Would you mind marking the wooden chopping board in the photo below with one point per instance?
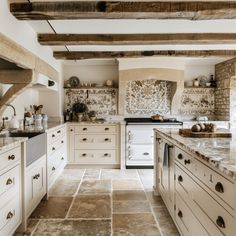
(220, 133)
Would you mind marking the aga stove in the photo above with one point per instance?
(139, 140)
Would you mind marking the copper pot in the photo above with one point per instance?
(157, 117)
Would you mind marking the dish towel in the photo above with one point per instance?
(166, 156)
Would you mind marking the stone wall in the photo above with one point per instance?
(225, 94)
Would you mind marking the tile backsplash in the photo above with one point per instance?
(148, 97)
(197, 101)
(101, 100)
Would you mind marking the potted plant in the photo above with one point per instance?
(92, 115)
(79, 109)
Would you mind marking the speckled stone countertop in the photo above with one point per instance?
(219, 152)
(8, 143)
(110, 122)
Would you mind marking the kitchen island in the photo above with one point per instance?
(196, 178)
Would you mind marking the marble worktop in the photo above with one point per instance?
(219, 152)
(7, 143)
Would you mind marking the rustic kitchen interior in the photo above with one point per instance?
(117, 118)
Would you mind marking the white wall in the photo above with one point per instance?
(22, 33)
(27, 98)
(92, 71)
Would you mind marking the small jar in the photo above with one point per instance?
(196, 83)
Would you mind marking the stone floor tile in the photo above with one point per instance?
(31, 225)
(91, 174)
(72, 174)
(119, 174)
(54, 207)
(154, 200)
(165, 221)
(91, 206)
(64, 187)
(125, 195)
(142, 224)
(130, 184)
(131, 207)
(73, 228)
(95, 187)
(146, 177)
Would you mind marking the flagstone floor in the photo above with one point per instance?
(101, 202)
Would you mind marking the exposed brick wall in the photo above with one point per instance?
(224, 94)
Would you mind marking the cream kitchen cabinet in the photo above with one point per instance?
(10, 191)
(203, 199)
(56, 153)
(94, 144)
(165, 171)
(36, 184)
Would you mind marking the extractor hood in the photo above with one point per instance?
(41, 81)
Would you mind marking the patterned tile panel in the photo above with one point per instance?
(103, 101)
(148, 97)
(198, 101)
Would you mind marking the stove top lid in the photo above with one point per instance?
(150, 120)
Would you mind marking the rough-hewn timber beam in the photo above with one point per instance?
(198, 10)
(136, 39)
(88, 55)
(16, 76)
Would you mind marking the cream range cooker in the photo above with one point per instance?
(139, 140)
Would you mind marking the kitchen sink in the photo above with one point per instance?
(35, 146)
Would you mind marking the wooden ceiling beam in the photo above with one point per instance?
(58, 10)
(136, 39)
(65, 55)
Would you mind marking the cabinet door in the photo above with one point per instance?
(35, 183)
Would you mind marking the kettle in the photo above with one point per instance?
(14, 123)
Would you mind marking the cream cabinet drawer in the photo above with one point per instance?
(9, 181)
(221, 218)
(186, 221)
(96, 129)
(95, 141)
(96, 157)
(10, 216)
(217, 183)
(185, 159)
(53, 135)
(10, 157)
(56, 145)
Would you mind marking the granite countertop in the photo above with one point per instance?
(97, 122)
(8, 142)
(219, 152)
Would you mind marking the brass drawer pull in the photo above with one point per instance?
(11, 157)
(187, 162)
(9, 181)
(85, 129)
(106, 139)
(84, 139)
(59, 131)
(180, 178)
(180, 214)
(106, 129)
(220, 222)
(180, 156)
(84, 155)
(106, 154)
(219, 187)
(145, 153)
(9, 215)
